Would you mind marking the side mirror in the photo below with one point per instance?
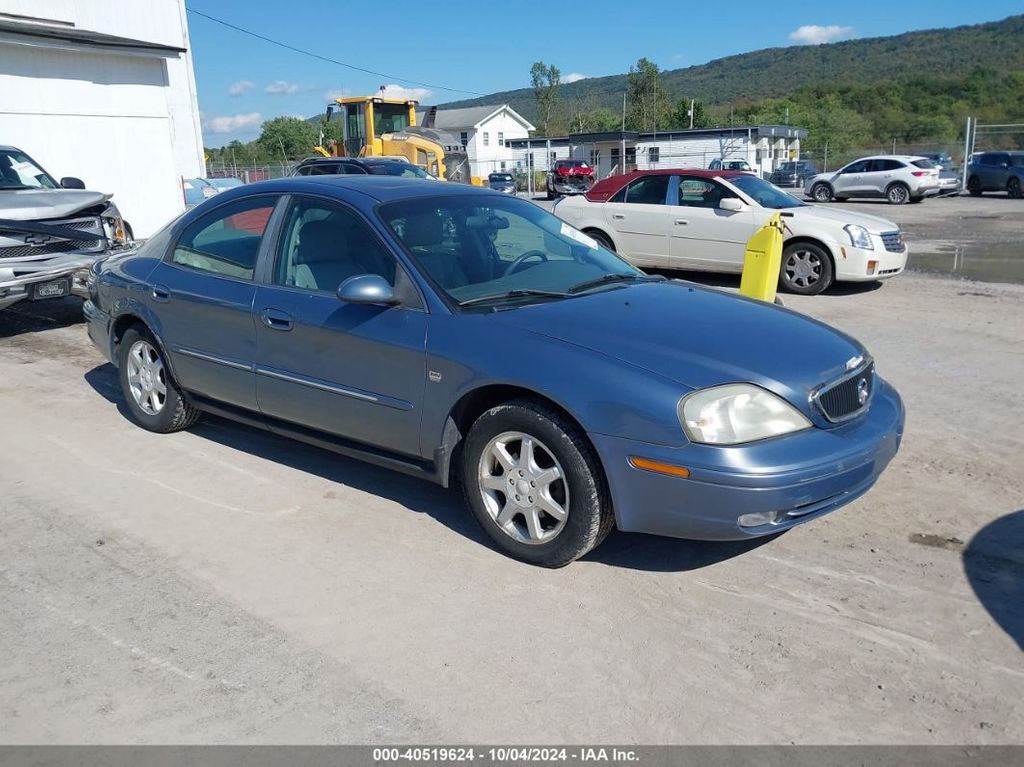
(70, 182)
(732, 204)
(367, 289)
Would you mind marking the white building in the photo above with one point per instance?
(485, 132)
(104, 90)
(762, 146)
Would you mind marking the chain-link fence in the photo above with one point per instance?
(248, 173)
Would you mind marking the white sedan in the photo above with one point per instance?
(702, 219)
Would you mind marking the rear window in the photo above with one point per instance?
(924, 164)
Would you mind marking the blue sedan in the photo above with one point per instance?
(472, 338)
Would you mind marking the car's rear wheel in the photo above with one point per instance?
(535, 484)
(602, 239)
(1013, 188)
(974, 186)
(153, 398)
(806, 269)
(897, 194)
(821, 192)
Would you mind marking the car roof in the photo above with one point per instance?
(380, 188)
(606, 188)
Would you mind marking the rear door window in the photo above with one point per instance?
(226, 241)
(697, 192)
(649, 190)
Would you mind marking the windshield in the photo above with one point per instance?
(924, 164)
(477, 248)
(500, 177)
(390, 118)
(766, 195)
(570, 164)
(18, 171)
(397, 169)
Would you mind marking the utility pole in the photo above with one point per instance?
(284, 155)
(967, 153)
(691, 114)
(894, 145)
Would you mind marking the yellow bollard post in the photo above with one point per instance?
(762, 261)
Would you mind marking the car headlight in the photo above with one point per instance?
(736, 413)
(859, 236)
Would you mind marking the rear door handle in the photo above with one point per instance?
(617, 215)
(160, 293)
(275, 319)
(681, 222)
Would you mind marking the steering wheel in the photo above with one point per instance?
(514, 266)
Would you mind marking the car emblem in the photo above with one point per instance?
(862, 391)
(854, 362)
(37, 239)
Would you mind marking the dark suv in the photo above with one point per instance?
(793, 173)
(996, 172)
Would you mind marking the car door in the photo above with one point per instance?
(997, 171)
(639, 217)
(202, 294)
(850, 180)
(703, 235)
(356, 371)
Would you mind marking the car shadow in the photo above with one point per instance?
(731, 282)
(34, 316)
(994, 565)
(626, 550)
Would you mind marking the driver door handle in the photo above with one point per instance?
(681, 222)
(275, 319)
(617, 215)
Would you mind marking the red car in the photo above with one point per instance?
(569, 177)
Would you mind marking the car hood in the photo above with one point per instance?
(874, 224)
(34, 204)
(697, 337)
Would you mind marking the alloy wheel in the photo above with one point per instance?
(898, 194)
(822, 193)
(147, 378)
(803, 268)
(523, 487)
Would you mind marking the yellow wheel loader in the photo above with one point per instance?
(378, 127)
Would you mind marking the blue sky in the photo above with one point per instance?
(482, 47)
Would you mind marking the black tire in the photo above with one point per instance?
(175, 414)
(602, 239)
(897, 194)
(589, 516)
(916, 200)
(1013, 188)
(793, 280)
(840, 199)
(974, 186)
(821, 192)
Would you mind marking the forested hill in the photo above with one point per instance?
(777, 72)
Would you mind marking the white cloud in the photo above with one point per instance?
(393, 91)
(573, 77)
(332, 95)
(281, 88)
(233, 123)
(237, 89)
(812, 34)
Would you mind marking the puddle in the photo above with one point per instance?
(989, 264)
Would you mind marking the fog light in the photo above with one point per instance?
(758, 518)
(871, 266)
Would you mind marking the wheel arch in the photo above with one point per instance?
(474, 403)
(129, 318)
(812, 240)
(599, 231)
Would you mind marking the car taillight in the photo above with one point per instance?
(920, 173)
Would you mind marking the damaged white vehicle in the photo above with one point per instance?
(51, 233)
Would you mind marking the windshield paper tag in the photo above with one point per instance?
(576, 234)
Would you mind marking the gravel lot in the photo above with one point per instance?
(225, 585)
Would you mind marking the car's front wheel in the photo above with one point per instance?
(821, 192)
(535, 484)
(806, 269)
(153, 398)
(602, 239)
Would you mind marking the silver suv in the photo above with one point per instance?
(896, 178)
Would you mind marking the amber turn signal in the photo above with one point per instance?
(658, 467)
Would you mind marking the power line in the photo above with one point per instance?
(327, 58)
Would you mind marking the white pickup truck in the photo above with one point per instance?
(51, 233)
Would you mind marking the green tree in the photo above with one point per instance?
(648, 104)
(681, 115)
(287, 138)
(546, 81)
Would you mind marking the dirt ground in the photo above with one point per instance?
(225, 585)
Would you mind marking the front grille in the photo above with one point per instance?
(54, 244)
(893, 241)
(845, 398)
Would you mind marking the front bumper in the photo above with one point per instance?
(860, 265)
(18, 277)
(562, 188)
(799, 477)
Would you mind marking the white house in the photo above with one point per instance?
(762, 146)
(104, 90)
(485, 132)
